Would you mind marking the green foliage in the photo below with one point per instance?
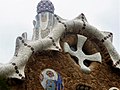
(3, 84)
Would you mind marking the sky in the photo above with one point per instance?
(16, 17)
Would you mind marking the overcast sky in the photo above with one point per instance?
(16, 17)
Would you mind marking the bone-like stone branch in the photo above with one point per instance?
(80, 54)
(18, 44)
(25, 48)
(24, 35)
(108, 35)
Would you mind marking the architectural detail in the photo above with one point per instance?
(48, 74)
(57, 53)
(51, 80)
(45, 6)
(80, 54)
(55, 30)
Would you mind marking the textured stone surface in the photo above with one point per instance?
(102, 77)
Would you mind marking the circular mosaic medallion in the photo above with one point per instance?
(48, 75)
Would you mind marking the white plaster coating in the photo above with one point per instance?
(106, 34)
(80, 54)
(24, 35)
(18, 44)
(81, 17)
(43, 26)
(114, 88)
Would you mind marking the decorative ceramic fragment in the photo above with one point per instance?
(51, 80)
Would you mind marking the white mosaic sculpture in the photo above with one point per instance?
(46, 36)
(80, 54)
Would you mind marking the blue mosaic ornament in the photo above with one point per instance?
(45, 6)
(48, 78)
(59, 83)
(51, 80)
(50, 85)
